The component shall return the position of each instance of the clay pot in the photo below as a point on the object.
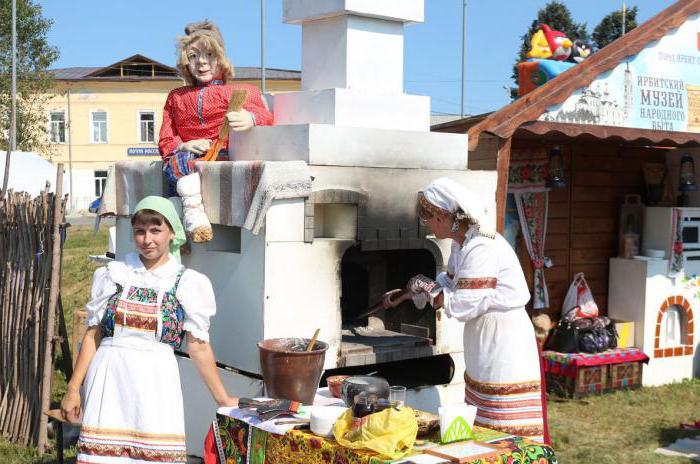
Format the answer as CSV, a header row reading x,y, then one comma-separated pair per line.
x,y
335,383
290,372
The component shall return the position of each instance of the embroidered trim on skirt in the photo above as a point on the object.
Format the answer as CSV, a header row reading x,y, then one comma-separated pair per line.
x,y
133,404
502,377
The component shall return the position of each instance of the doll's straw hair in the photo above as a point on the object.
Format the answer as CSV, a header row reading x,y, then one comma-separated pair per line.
x,y
209,36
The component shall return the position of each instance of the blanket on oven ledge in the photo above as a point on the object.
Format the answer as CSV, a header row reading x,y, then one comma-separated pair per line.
x,y
241,192
235,193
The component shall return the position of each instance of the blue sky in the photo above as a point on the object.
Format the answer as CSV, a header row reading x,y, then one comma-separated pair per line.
x,y
90,33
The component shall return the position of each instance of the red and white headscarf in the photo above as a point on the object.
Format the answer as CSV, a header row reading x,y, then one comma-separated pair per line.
x,y
452,196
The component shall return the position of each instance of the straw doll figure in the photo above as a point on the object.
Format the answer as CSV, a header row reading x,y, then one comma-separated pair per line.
x,y
194,114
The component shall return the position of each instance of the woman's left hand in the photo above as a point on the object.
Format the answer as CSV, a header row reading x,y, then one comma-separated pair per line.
x,y
240,120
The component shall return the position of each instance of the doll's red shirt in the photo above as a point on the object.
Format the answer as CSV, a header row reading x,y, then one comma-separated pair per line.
x,y
196,112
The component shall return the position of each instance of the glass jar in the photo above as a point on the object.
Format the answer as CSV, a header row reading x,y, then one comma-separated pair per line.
x,y
362,406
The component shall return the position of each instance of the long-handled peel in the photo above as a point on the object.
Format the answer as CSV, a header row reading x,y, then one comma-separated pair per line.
x,y
391,299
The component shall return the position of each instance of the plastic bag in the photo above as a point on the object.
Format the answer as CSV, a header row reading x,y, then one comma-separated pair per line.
x,y
579,298
390,433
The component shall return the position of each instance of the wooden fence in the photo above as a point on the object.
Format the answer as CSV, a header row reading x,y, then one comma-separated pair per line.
x,y
30,252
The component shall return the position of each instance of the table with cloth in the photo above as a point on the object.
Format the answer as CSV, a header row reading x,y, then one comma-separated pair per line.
x,y
234,441
579,374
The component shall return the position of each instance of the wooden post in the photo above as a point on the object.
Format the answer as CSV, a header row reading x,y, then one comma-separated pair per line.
x,y
8,155
53,300
502,168
67,364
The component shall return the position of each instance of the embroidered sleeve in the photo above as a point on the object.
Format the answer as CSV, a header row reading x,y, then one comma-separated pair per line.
x,y
196,296
475,282
169,139
103,287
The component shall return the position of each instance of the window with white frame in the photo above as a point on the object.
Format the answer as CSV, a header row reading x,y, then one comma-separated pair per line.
x,y
57,127
147,126
99,127
100,180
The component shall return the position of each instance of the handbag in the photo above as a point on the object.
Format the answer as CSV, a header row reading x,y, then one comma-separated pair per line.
x,y
593,338
583,335
564,339
612,333
594,334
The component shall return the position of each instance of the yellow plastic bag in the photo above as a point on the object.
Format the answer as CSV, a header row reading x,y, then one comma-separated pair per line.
x,y
390,433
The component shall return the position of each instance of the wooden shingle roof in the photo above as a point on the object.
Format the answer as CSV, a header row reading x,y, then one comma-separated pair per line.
x,y
504,122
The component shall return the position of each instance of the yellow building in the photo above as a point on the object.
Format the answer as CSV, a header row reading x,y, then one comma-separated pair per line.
x,y
98,116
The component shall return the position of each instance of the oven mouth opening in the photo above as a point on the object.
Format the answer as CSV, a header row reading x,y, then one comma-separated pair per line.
x,y
404,332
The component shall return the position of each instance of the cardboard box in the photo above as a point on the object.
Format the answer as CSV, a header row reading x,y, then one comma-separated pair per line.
x,y
625,332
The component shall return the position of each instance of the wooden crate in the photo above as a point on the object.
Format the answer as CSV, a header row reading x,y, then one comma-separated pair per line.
x,y
596,380
589,380
593,379
625,375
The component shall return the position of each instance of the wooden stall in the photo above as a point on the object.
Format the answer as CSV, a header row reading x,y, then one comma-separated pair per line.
x,y
603,158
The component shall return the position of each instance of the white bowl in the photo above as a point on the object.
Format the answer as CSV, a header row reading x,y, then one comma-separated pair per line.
x,y
323,418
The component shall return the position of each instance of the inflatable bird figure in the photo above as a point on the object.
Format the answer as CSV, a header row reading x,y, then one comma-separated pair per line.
x,y
539,47
559,44
581,50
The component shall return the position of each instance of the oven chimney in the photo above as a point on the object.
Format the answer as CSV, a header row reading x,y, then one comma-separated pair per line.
x,y
352,66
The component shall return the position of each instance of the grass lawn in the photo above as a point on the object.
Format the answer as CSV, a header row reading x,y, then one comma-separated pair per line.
x,y
612,428
624,426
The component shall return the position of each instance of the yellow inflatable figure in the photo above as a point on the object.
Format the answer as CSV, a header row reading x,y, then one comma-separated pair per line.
x,y
539,46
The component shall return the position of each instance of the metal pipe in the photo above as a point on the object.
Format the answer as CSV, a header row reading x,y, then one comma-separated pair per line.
x,y
464,56
263,83
70,155
8,157
12,139
13,120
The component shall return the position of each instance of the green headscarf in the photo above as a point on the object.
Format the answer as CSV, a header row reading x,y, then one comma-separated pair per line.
x,y
166,208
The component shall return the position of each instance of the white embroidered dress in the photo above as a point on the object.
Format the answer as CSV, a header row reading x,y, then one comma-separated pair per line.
x,y
488,293
132,400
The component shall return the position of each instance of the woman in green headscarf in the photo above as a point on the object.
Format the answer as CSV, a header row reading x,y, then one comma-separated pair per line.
x,y
140,310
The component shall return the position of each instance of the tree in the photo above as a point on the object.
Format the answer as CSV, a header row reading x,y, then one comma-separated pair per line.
x,y
34,57
557,16
610,27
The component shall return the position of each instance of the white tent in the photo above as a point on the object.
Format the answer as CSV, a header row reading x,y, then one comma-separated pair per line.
x,y
29,173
